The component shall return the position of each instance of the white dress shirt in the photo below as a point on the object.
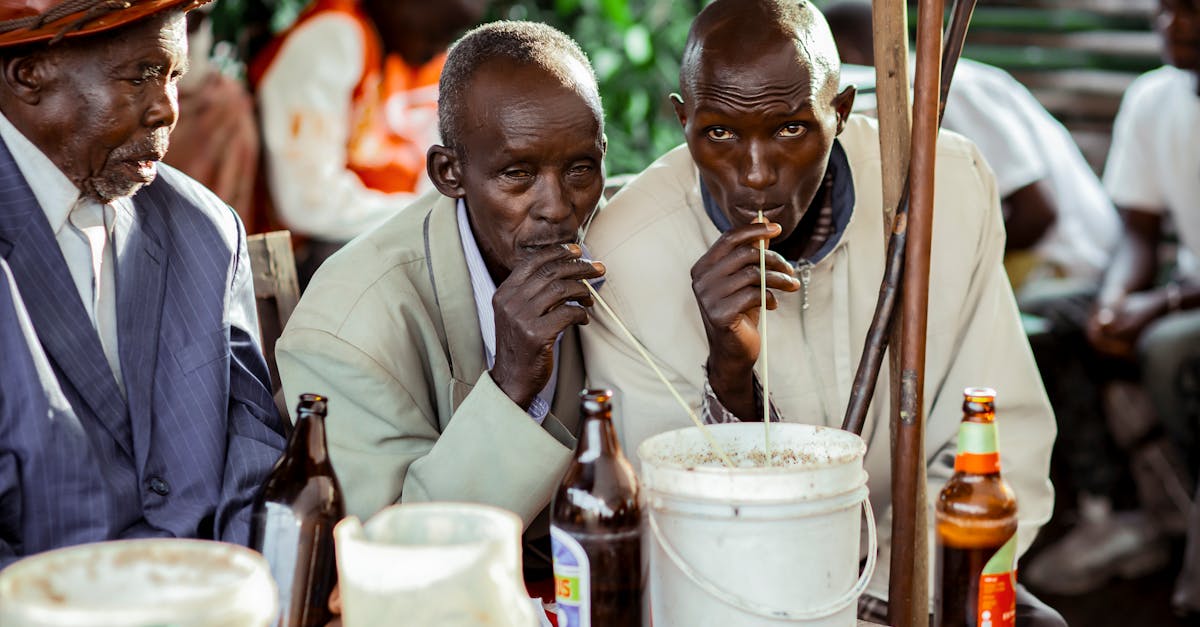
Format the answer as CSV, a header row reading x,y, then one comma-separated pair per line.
x,y
84,230
484,289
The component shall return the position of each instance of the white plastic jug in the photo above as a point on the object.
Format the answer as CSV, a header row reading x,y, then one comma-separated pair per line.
x,y
757,545
445,564
136,583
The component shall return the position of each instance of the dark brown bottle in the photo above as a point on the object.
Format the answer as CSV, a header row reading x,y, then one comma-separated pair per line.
x,y
293,519
596,527
976,527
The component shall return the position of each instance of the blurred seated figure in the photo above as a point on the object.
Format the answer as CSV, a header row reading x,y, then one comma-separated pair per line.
x,y
1054,206
347,99
216,138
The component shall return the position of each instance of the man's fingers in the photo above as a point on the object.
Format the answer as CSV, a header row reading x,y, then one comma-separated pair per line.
x,y
556,293
561,318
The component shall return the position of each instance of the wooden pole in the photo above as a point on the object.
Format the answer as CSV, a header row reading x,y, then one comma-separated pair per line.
x,y
884,324
890,19
910,604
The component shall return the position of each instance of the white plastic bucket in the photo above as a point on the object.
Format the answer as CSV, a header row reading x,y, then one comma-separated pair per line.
x,y
757,545
424,564
135,583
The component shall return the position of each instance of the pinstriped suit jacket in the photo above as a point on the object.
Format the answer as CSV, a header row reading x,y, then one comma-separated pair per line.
x,y
36,417
184,450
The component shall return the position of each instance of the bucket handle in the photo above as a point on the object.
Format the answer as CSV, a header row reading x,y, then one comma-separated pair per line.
x,y
764,611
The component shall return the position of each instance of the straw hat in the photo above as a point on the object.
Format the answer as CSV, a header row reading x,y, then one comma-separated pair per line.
x,y
31,21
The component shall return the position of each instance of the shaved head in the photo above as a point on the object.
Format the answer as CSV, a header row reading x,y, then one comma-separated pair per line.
x,y
737,31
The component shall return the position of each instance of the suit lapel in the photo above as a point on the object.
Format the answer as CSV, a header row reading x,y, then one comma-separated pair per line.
x,y
53,302
452,288
141,283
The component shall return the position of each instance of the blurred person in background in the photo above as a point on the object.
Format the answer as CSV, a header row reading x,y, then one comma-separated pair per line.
x,y
1142,311
216,139
347,100
1054,206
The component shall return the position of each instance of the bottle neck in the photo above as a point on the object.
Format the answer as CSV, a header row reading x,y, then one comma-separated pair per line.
x,y
598,438
308,439
978,445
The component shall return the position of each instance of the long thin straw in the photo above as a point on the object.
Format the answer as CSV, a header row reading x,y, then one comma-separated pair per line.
x,y
646,356
762,335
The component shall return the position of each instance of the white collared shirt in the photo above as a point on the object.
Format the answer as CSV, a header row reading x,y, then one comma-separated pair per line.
x,y
84,229
484,288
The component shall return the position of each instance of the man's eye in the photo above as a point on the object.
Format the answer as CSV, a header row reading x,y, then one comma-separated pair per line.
x,y
581,170
516,174
791,130
719,134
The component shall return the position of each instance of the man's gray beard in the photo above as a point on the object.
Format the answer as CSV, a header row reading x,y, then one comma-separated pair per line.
x,y
106,190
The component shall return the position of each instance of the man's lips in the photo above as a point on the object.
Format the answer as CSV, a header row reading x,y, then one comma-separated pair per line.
x,y
749,213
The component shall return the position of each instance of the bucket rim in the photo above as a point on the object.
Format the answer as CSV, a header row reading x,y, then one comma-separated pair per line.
x,y
660,463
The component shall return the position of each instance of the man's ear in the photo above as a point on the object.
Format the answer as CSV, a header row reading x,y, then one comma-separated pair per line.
x,y
843,104
445,170
27,76
680,109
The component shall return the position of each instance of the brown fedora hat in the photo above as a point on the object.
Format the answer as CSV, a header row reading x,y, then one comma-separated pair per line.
x,y
32,21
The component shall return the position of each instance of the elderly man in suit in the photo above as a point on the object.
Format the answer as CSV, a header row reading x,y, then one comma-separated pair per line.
x,y
446,338
136,278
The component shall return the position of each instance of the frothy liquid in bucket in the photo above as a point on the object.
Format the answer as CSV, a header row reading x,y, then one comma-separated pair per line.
x,y
757,544
133,583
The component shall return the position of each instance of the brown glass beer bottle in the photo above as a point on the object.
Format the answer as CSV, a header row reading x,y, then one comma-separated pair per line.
x,y
976,527
596,527
293,519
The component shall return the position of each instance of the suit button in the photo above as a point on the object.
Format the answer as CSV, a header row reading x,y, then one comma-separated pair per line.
x,y
158,486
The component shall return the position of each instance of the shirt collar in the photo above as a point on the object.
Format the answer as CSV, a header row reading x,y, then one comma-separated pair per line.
x,y
55,193
482,284
842,202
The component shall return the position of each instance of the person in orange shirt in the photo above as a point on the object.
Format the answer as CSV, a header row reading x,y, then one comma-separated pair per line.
x,y
348,104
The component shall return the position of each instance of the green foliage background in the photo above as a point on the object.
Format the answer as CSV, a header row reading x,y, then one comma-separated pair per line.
x,y
635,46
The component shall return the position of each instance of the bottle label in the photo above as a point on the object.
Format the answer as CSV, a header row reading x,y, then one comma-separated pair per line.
x,y
572,584
998,588
978,452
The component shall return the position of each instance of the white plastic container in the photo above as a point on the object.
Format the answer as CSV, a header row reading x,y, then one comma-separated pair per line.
x,y
757,545
137,583
423,564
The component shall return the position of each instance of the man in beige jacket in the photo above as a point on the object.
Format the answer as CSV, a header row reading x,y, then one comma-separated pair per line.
x,y
446,337
767,130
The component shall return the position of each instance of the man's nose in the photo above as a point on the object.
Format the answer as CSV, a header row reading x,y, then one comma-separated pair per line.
x,y
163,109
553,202
757,171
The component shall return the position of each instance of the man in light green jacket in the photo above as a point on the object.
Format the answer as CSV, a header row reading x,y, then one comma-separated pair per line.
x,y
767,129
446,338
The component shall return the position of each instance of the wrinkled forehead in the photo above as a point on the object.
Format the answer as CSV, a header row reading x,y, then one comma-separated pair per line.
x,y
783,68
777,47
504,92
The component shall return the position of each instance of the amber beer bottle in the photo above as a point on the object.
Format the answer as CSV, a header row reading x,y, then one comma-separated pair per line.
x,y
976,527
596,527
293,519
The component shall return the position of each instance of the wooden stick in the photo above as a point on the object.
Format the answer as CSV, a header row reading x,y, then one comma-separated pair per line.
x,y
662,377
908,592
883,323
890,19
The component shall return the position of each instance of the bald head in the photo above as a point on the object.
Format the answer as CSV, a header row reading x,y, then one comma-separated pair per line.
x,y
739,32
